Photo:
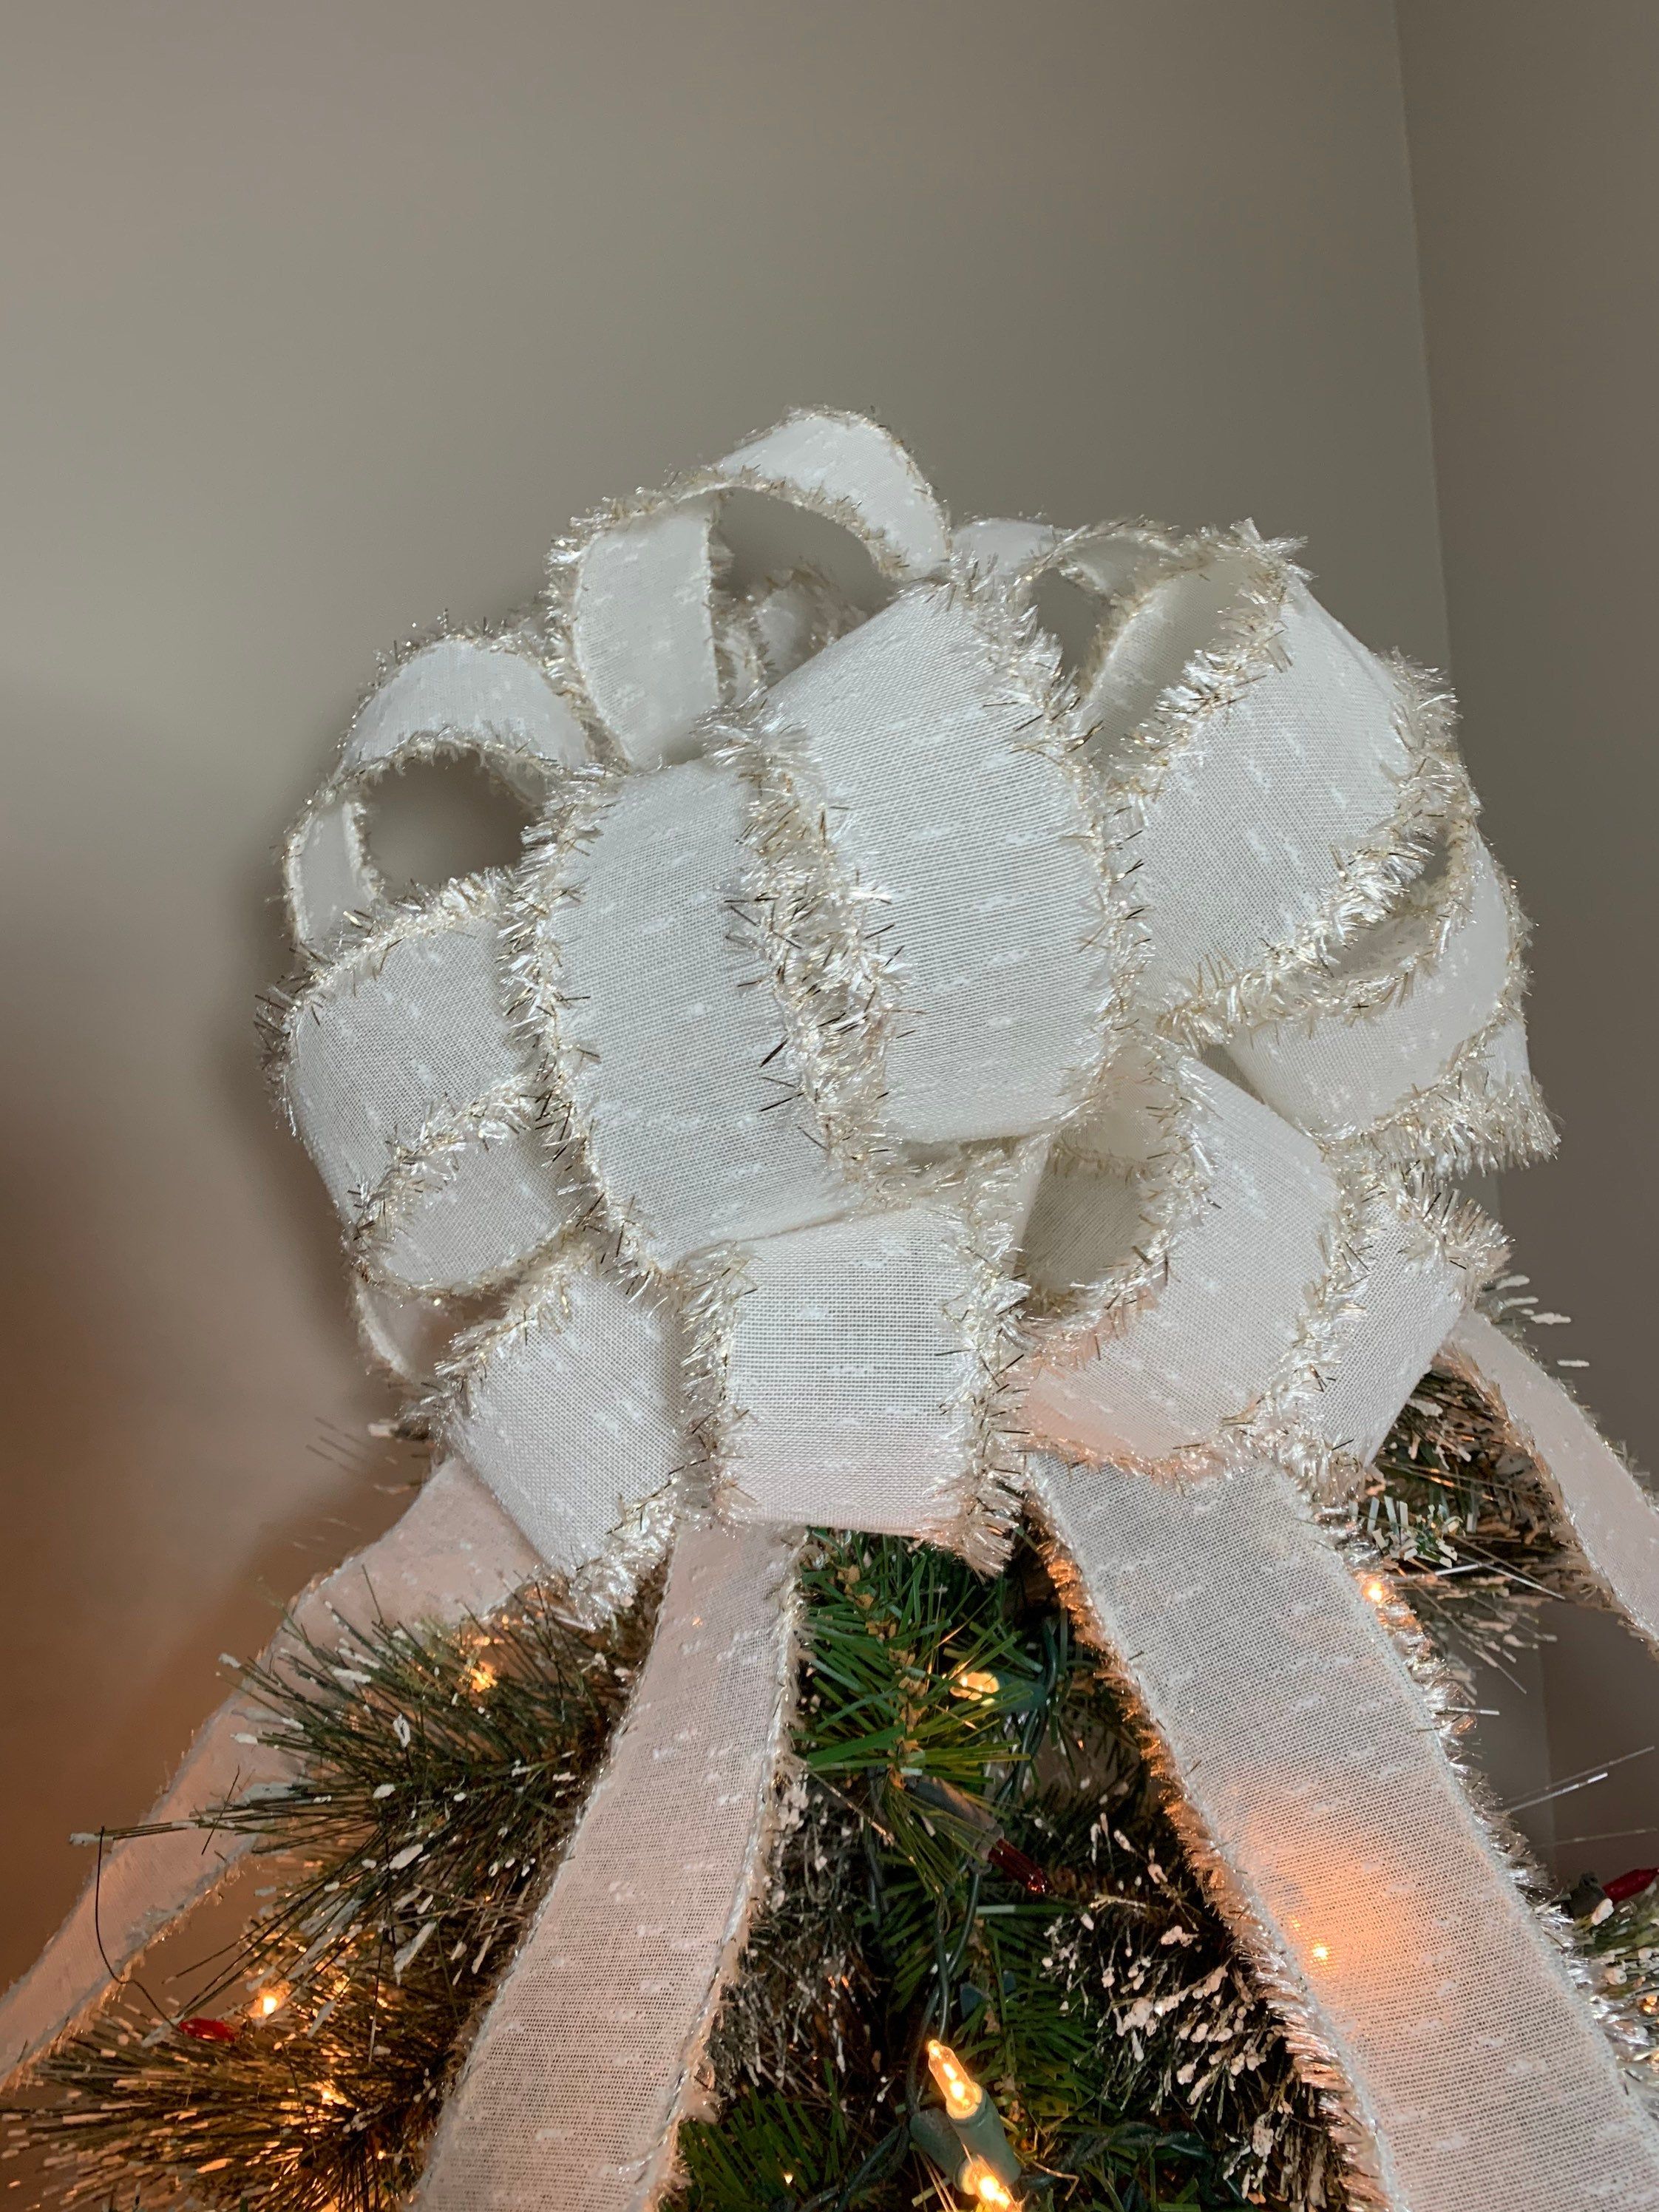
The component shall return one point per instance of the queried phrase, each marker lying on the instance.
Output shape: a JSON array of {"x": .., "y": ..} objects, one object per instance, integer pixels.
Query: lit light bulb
[
  {"x": 1322, "y": 1951},
  {"x": 482, "y": 1677},
  {"x": 1377, "y": 1589},
  {"x": 978, "y": 2178},
  {"x": 975, "y": 1682},
  {"x": 962, "y": 2094},
  {"x": 270, "y": 2001}
]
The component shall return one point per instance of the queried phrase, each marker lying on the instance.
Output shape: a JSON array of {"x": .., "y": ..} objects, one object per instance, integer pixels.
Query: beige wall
[
  {"x": 321, "y": 318},
  {"x": 1535, "y": 140}
]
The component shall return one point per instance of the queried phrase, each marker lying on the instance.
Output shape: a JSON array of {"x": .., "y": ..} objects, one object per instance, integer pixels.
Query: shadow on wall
[
  {"x": 1602, "y": 1707},
  {"x": 186, "y": 1419}
]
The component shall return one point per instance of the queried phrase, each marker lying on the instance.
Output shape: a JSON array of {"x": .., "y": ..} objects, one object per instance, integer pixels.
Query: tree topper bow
[{"x": 909, "y": 1081}]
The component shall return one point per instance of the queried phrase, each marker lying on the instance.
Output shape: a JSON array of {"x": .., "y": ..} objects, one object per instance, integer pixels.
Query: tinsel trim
[
  {"x": 890, "y": 559},
  {"x": 1434, "y": 796},
  {"x": 1041, "y": 691},
  {"x": 430, "y": 1159},
  {"x": 1412, "y": 938},
  {"x": 1462, "y": 1122},
  {"x": 1370, "y": 880},
  {"x": 549, "y": 882},
  {"x": 1441, "y": 1232},
  {"x": 1468, "y": 1124},
  {"x": 424, "y": 1163},
  {"x": 1466, "y": 1121},
  {"x": 1280, "y": 1422},
  {"x": 818, "y": 930},
  {"x": 991, "y": 1491},
  {"x": 746, "y": 664}
]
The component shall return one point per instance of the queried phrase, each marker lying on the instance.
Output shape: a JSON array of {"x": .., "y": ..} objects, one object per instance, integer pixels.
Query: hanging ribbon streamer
[
  {"x": 1467, "y": 2070},
  {"x": 582, "y": 2061},
  {"x": 909, "y": 1081}
]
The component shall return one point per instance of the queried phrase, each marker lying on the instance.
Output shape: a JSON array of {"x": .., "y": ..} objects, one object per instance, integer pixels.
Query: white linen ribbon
[{"x": 907, "y": 1078}]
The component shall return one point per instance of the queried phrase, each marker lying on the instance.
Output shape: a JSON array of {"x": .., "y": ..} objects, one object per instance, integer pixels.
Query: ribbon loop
[
  {"x": 855, "y": 472},
  {"x": 865, "y": 1361},
  {"x": 637, "y": 581},
  {"x": 642, "y": 630},
  {"x": 1200, "y": 1344},
  {"x": 1278, "y": 786},
  {"x": 920, "y": 806},
  {"x": 412, "y": 1093},
  {"x": 1418, "y": 1041},
  {"x": 489, "y": 699},
  {"x": 1288, "y": 1304},
  {"x": 665, "y": 1053},
  {"x": 569, "y": 1405}
]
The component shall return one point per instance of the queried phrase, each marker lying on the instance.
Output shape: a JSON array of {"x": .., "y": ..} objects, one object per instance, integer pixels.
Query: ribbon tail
[
  {"x": 453, "y": 1552},
  {"x": 1422, "y": 1991},
  {"x": 573, "y": 2091},
  {"x": 1611, "y": 1517}
]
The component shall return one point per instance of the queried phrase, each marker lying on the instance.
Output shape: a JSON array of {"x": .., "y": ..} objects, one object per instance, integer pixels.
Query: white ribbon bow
[{"x": 905, "y": 1080}]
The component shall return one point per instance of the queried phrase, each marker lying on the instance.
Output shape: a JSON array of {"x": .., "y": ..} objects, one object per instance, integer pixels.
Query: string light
[
  {"x": 480, "y": 1675},
  {"x": 977, "y": 2180},
  {"x": 990, "y": 2164},
  {"x": 270, "y": 2001},
  {"x": 1322, "y": 1951},
  {"x": 963, "y": 2095},
  {"x": 1377, "y": 1589}
]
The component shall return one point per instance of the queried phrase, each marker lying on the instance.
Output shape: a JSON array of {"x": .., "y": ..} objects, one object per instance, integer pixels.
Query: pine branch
[
  {"x": 441, "y": 1773},
  {"x": 1466, "y": 1524}
]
